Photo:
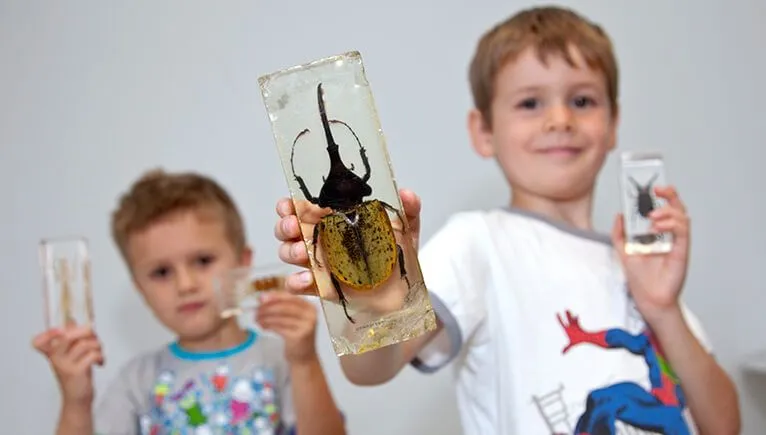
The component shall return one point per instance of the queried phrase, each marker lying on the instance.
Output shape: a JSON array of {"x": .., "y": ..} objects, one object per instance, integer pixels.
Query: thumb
[
  {"x": 411, "y": 204},
  {"x": 43, "y": 342}
]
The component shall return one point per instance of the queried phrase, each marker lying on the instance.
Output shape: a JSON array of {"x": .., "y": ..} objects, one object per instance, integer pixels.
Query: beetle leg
[
  {"x": 305, "y": 190},
  {"x": 402, "y": 268},
  {"x": 314, "y": 242},
  {"x": 395, "y": 211},
  {"x": 341, "y": 297},
  {"x": 366, "y": 162}
]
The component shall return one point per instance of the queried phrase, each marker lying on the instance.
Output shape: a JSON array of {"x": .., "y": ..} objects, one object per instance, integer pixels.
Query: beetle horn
[{"x": 323, "y": 116}]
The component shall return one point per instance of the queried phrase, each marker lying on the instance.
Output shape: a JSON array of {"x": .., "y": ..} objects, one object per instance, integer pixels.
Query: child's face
[
  {"x": 552, "y": 126},
  {"x": 174, "y": 263}
]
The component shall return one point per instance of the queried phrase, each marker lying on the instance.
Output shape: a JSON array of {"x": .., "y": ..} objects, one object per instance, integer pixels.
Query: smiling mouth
[{"x": 561, "y": 150}]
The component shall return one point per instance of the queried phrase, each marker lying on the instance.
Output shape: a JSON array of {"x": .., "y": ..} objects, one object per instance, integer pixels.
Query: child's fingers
[
  {"x": 43, "y": 342},
  {"x": 285, "y": 207},
  {"x": 294, "y": 252},
  {"x": 83, "y": 347},
  {"x": 679, "y": 227},
  {"x": 667, "y": 212},
  {"x": 91, "y": 358},
  {"x": 288, "y": 229},
  {"x": 670, "y": 194},
  {"x": 301, "y": 283},
  {"x": 63, "y": 344},
  {"x": 285, "y": 309},
  {"x": 281, "y": 323}
]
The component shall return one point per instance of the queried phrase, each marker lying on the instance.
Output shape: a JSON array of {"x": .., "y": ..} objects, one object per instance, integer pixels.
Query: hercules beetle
[
  {"x": 644, "y": 205},
  {"x": 357, "y": 236}
]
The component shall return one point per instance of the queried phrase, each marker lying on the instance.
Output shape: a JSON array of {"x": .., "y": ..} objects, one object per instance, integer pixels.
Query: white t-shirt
[{"x": 502, "y": 282}]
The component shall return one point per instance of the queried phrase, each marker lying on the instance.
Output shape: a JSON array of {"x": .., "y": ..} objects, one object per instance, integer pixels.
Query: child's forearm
[
  {"x": 711, "y": 395},
  {"x": 379, "y": 366},
  {"x": 315, "y": 408},
  {"x": 75, "y": 419}
]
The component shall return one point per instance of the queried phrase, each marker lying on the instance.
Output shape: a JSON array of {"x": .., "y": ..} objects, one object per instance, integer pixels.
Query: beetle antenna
[
  {"x": 338, "y": 121},
  {"x": 292, "y": 151}
]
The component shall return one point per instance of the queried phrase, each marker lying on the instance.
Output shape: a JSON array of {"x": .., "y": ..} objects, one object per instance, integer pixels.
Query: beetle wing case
[
  {"x": 640, "y": 173},
  {"x": 341, "y": 181}
]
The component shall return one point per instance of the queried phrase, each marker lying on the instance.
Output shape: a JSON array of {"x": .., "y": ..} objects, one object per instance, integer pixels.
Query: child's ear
[
  {"x": 247, "y": 257},
  {"x": 481, "y": 134}
]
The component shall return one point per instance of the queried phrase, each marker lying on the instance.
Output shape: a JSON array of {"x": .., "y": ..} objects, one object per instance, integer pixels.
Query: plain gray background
[{"x": 93, "y": 93}]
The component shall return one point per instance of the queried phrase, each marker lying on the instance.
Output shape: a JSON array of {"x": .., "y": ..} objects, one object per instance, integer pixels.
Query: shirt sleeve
[
  {"x": 116, "y": 411},
  {"x": 285, "y": 398},
  {"x": 455, "y": 274}
]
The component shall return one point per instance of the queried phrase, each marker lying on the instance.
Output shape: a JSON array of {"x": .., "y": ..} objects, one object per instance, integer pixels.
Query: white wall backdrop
[{"x": 93, "y": 93}]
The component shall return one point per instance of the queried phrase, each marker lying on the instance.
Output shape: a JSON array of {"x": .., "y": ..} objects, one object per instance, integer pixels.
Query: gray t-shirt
[{"x": 237, "y": 391}]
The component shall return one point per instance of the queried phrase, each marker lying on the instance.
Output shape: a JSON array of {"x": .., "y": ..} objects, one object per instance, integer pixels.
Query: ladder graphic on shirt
[{"x": 558, "y": 418}]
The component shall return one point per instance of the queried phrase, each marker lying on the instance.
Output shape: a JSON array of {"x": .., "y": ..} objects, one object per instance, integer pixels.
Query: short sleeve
[
  {"x": 117, "y": 408},
  {"x": 695, "y": 325},
  {"x": 286, "y": 407},
  {"x": 454, "y": 272}
]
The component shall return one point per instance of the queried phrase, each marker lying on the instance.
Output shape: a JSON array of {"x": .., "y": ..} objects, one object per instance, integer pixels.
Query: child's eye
[
  {"x": 205, "y": 260},
  {"x": 583, "y": 101},
  {"x": 528, "y": 103},
  {"x": 160, "y": 272}
]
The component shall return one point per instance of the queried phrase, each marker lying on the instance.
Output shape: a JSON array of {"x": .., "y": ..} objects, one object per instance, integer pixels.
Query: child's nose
[
  {"x": 186, "y": 281},
  {"x": 559, "y": 118}
]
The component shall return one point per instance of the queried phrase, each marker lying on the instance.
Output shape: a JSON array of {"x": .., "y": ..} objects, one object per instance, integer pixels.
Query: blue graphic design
[{"x": 659, "y": 410}]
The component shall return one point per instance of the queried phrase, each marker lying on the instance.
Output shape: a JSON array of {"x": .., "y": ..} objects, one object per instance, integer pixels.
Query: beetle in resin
[
  {"x": 644, "y": 205},
  {"x": 357, "y": 236}
]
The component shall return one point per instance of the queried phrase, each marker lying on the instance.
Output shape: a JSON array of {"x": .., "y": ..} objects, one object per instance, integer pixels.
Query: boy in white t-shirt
[{"x": 548, "y": 335}]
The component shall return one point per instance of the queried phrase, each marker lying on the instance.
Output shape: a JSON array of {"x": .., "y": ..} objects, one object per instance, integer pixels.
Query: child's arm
[
  {"x": 72, "y": 353},
  {"x": 710, "y": 393},
  {"x": 294, "y": 318},
  {"x": 655, "y": 282}
]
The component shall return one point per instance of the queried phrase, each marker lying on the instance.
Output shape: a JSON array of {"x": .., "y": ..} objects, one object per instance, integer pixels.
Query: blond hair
[
  {"x": 549, "y": 31},
  {"x": 158, "y": 194}
]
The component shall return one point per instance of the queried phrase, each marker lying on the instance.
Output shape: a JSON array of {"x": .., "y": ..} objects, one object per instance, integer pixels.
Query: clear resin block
[
  {"x": 237, "y": 290},
  {"x": 641, "y": 173},
  {"x": 65, "y": 264},
  {"x": 339, "y": 174}
]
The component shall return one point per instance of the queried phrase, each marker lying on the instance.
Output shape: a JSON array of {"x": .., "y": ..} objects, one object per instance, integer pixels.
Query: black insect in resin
[
  {"x": 357, "y": 237},
  {"x": 644, "y": 205}
]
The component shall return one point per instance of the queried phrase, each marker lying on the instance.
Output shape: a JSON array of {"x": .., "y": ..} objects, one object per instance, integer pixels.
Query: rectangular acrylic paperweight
[
  {"x": 641, "y": 172},
  {"x": 65, "y": 263},
  {"x": 339, "y": 174}
]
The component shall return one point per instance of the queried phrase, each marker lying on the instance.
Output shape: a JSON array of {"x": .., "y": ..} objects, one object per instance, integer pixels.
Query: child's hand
[
  {"x": 72, "y": 353},
  {"x": 293, "y": 251},
  {"x": 294, "y": 319},
  {"x": 655, "y": 281}
]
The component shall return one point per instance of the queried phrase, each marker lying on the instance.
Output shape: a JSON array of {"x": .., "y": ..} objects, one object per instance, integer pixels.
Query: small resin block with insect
[
  {"x": 641, "y": 173},
  {"x": 334, "y": 155},
  {"x": 237, "y": 290},
  {"x": 65, "y": 264}
]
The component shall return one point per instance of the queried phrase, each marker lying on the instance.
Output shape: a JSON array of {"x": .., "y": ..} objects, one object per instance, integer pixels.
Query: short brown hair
[
  {"x": 158, "y": 194},
  {"x": 549, "y": 30}
]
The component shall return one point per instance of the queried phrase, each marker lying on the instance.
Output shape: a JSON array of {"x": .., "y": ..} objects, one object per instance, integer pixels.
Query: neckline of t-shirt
[
  {"x": 577, "y": 232},
  {"x": 177, "y": 351}
]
